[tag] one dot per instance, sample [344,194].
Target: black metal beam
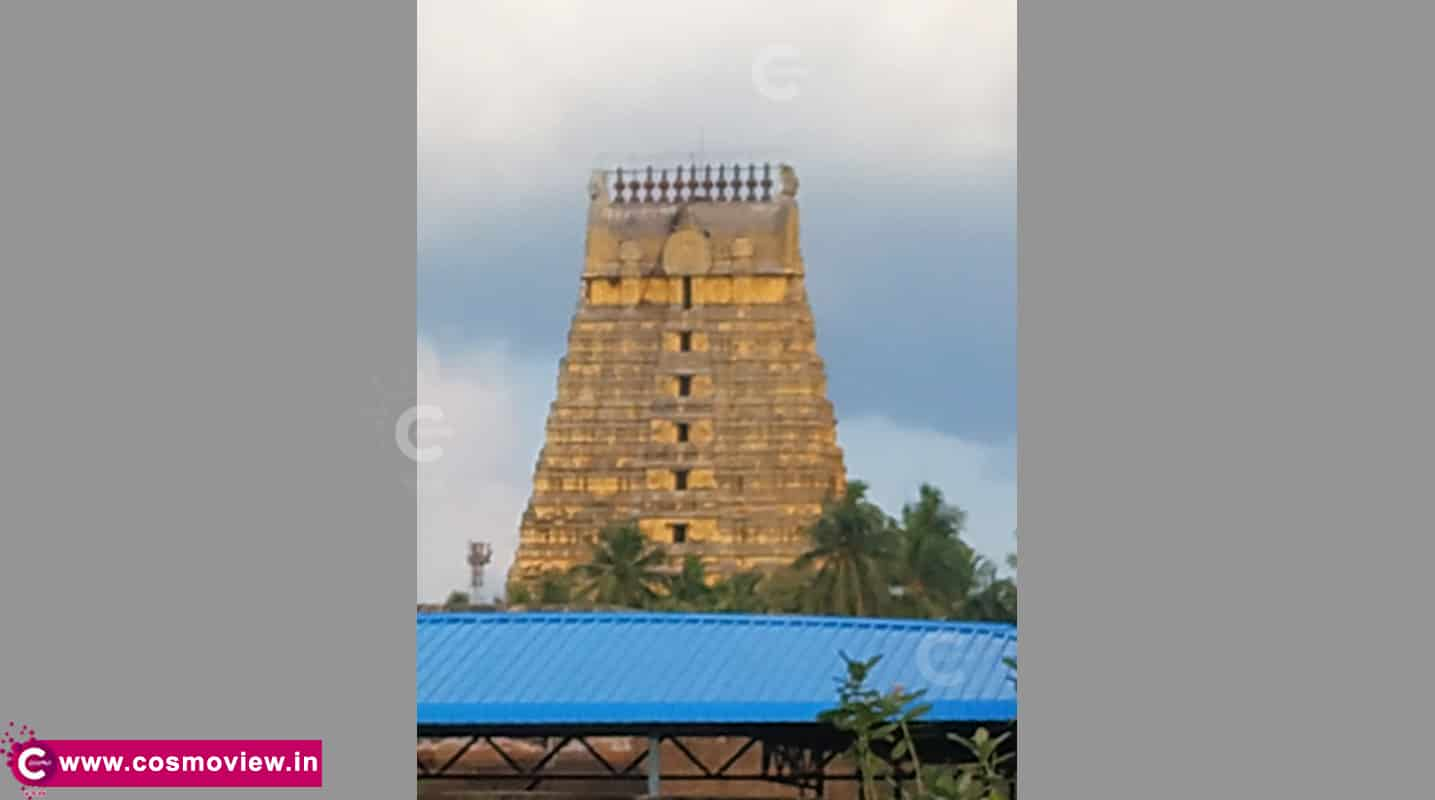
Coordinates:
[735,756]
[456,756]
[543,762]
[685,751]
[583,740]
[798,756]
[503,754]
[632,765]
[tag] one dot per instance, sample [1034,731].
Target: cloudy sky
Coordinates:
[900,119]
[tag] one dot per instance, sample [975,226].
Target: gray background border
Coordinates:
[1223,401]
[207,325]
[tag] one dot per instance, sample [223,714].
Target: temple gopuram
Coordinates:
[692,399]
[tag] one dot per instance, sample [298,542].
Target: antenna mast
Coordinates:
[479,554]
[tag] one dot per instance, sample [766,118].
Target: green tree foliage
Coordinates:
[875,720]
[934,568]
[625,570]
[689,589]
[885,752]
[554,589]
[519,594]
[785,590]
[457,600]
[853,550]
[982,778]
[742,592]
[859,562]
[991,598]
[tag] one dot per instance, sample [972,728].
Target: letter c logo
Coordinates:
[29,754]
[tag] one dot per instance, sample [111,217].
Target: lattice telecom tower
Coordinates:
[479,556]
[692,398]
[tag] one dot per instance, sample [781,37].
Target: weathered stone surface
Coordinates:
[691,393]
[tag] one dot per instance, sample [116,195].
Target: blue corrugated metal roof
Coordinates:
[633,668]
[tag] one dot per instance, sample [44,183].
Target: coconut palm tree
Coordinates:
[554,589]
[741,591]
[934,566]
[992,598]
[689,590]
[784,590]
[853,544]
[624,570]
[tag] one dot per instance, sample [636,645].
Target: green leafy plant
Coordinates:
[983,778]
[884,749]
[980,779]
[874,721]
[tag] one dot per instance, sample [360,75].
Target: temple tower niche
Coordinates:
[692,398]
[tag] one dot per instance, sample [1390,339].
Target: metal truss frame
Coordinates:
[801,757]
[781,762]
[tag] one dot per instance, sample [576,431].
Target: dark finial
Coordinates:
[707,181]
[737,183]
[648,186]
[788,177]
[663,186]
[620,187]
[678,184]
[721,182]
[598,192]
[751,182]
[766,182]
[633,186]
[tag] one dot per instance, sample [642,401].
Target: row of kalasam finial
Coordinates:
[714,184]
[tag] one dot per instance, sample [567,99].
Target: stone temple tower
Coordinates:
[692,398]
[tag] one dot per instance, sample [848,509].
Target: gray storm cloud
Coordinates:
[513,95]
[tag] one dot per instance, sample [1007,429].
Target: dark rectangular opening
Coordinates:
[680,532]
[680,480]
[687,292]
[685,385]
[682,431]
[685,341]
